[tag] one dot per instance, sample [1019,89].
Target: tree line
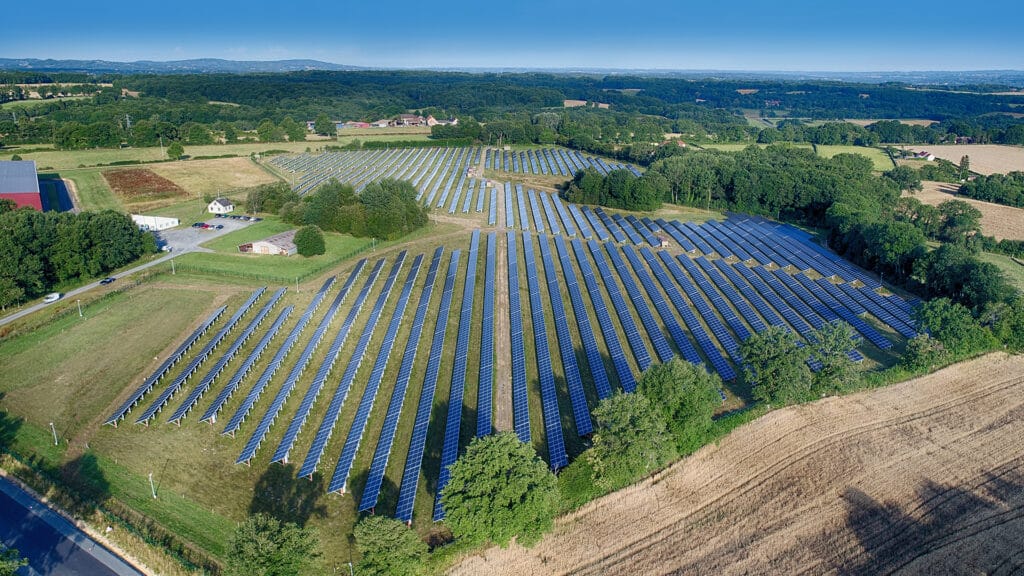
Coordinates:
[43,250]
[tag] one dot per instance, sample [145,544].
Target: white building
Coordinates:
[154,223]
[220,206]
[282,244]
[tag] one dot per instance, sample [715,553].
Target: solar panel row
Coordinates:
[520,405]
[636,342]
[418,440]
[661,346]
[486,384]
[381,454]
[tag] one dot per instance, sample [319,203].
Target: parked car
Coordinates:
[197,225]
[52,297]
[107,280]
[220,226]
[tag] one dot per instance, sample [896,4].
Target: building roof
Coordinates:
[284,240]
[18,177]
[223,202]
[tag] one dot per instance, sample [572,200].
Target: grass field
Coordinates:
[93,191]
[1013,271]
[271,268]
[216,176]
[37,102]
[879,158]
[738,147]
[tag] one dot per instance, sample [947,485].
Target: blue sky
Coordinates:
[801,35]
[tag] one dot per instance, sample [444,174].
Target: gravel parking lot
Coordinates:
[185,238]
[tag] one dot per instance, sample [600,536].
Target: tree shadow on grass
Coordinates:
[279,493]
[939,527]
[85,480]
[9,426]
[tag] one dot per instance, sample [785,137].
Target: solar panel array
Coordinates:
[557,456]
[197,360]
[284,447]
[268,372]
[323,434]
[597,371]
[520,403]
[164,367]
[636,342]
[418,441]
[218,367]
[249,451]
[661,346]
[339,480]
[381,454]
[554,161]
[450,448]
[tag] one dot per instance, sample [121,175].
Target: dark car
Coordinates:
[220,226]
[198,225]
[107,280]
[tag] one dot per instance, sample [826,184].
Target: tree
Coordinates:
[262,545]
[293,130]
[687,396]
[959,220]
[776,366]
[309,241]
[630,440]
[905,177]
[965,167]
[10,561]
[922,352]
[388,547]
[175,151]
[952,325]
[1008,324]
[324,126]
[269,132]
[499,489]
[831,345]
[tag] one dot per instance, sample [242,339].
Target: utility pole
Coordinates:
[152,488]
[52,428]
[79,307]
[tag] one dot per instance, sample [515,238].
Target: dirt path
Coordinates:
[921,477]
[76,204]
[503,354]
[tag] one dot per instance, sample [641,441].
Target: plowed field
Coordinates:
[924,477]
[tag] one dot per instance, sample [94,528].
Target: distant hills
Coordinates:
[195,66]
[1006,78]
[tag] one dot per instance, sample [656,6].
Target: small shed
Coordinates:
[220,206]
[282,244]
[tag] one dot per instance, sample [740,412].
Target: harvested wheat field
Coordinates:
[985,158]
[923,477]
[996,220]
[215,176]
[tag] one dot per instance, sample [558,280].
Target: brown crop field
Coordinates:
[141,189]
[923,477]
[985,158]
[996,220]
[911,122]
[215,176]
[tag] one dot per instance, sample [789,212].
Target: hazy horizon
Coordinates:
[741,36]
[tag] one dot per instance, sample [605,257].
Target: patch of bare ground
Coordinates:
[996,220]
[926,476]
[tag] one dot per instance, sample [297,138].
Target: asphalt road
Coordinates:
[52,544]
[181,241]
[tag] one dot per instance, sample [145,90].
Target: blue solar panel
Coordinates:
[524,220]
[570,228]
[581,221]
[580,411]
[375,477]
[339,480]
[453,423]
[492,211]
[486,384]
[552,219]
[557,457]
[418,441]
[207,381]
[323,434]
[636,342]
[153,378]
[595,224]
[597,371]
[845,313]
[604,319]
[538,219]
[288,441]
[611,226]
[730,293]
[520,406]
[657,339]
[707,314]
[712,293]
[268,372]
[510,218]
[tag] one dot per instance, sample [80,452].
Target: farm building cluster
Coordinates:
[400,120]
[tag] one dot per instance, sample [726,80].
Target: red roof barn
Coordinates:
[19,182]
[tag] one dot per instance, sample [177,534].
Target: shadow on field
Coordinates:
[280,494]
[86,481]
[9,426]
[892,538]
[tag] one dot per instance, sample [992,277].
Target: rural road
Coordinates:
[52,544]
[181,241]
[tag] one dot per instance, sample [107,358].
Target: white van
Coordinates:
[52,297]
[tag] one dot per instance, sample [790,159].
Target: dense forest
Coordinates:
[141,110]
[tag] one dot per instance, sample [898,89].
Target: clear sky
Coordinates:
[803,35]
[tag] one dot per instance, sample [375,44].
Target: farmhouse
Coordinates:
[410,120]
[382,124]
[18,182]
[220,206]
[282,244]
